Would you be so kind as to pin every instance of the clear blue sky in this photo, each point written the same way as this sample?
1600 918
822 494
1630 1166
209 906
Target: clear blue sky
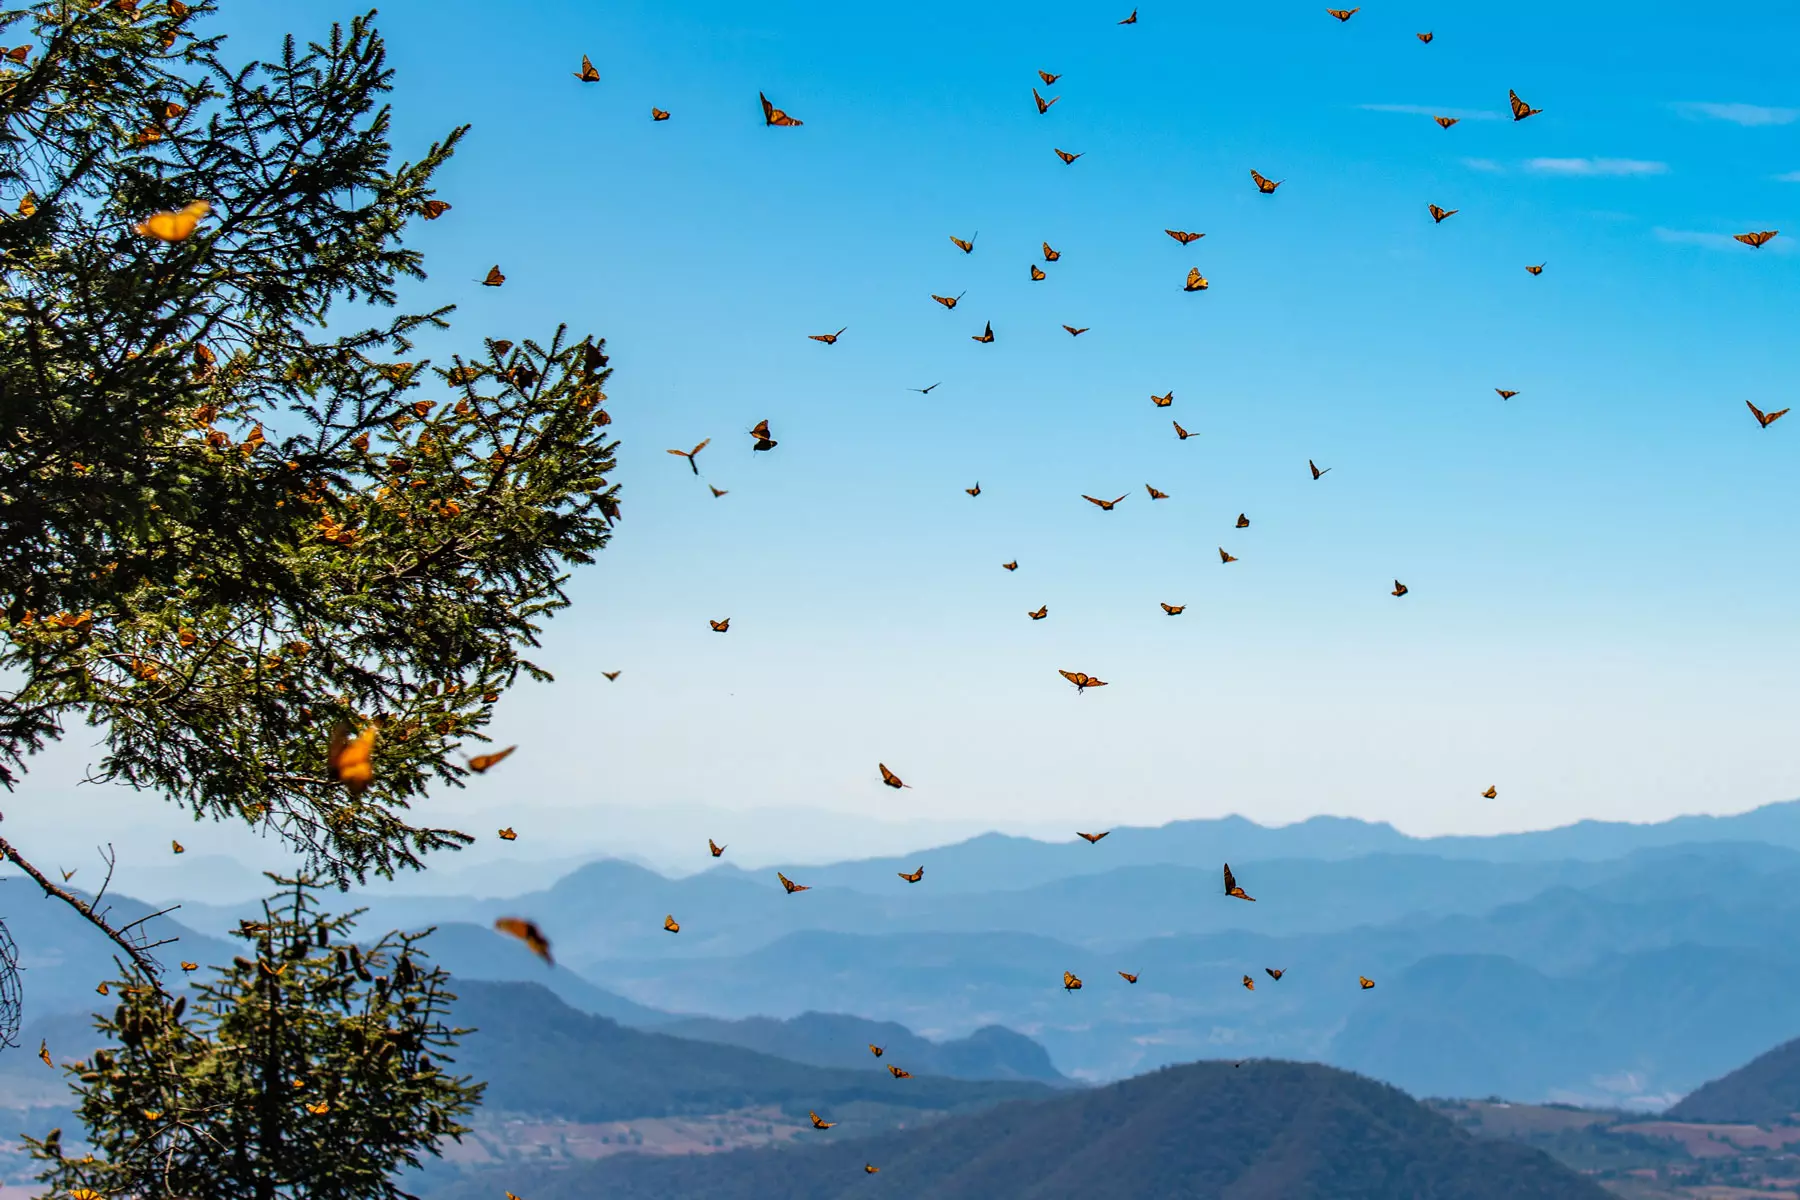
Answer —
1602 570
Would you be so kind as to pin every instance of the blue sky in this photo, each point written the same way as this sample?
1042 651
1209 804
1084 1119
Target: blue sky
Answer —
1601 569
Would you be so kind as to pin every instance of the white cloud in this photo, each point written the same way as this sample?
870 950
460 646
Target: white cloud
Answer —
1420 110
1790 177
1597 166
1719 241
1738 114
1484 164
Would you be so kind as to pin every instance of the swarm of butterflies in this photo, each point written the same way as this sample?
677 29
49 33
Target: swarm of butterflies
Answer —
350 754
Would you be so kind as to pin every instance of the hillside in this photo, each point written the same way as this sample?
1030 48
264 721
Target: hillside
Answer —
837 1040
1764 1091
1205 1131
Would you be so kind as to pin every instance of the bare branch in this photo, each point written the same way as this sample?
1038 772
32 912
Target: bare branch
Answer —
136 951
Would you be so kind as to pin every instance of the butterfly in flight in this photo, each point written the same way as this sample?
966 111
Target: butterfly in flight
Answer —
431 210
791 886
610 675
1537 270
1074 332
1091 838
1196 282
527 932
974 491
1249 984
1493 793
720 626
68 875
760 431
689 454
1232 888
1037 274
1504 394
968 246
1082 681
1011 566
1424 37
1765 419
1344 14
494 277
891 779
1446 122
587 74
44 1053
1105 505
1051 255
870 1169
1131 20
1043 104
1066 156
347 761
658 114
1184 237
717 491
1438 214
773 115
507 835
925 391
1181 433
818 1123
1040 614
948 301
1266 186
898 1073
986 335
179 225
1315 470
1366 982
1164 401
1174 610
190 966
1756 241
1400 589
877 1051
914 877
1226 558
1154 494
830 339
1520 109
481 762
1071 981
1243 522
1128 977
1048 78
718 851
1275 973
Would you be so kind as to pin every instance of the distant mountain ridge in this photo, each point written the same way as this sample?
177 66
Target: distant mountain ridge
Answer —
1764 1091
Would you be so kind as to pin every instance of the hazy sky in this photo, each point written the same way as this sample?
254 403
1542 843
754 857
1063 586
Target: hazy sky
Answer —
1602 570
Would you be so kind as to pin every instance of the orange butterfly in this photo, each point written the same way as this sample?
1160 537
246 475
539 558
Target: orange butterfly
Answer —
974 491
1521 110
1181 433
671 924
829 339
1074 332
507 835
1226 558
1196 282
1344 14
897 1073
611 675
689 454
889 778
870 1168
1249 984
527 932
319 1109
877 1051
1446 122
1040 614
1504 394
1438 214
177 847
967 246
1492 793
760 431
1537 270
347 761
1315 470
1082 681
1400 589
481 762
1424 37
1037 273
1366 982
1128 977
1243 522
68 875
948 301
1105 505
1091 838
1131 20
494 277
1765 419
1266 186
44 1053
103 989
773 115
1011 566
1071 981
1232 888
1066 156
717 491
720 626
19 54
1275 972
1154 494
433 209
791 886
1164 401
1051 255
658 114
986 335
179 225
1183 237
1174 610
1755 241
189 966
1043 104
819 1124
587 74
914 877
716 849
1048 78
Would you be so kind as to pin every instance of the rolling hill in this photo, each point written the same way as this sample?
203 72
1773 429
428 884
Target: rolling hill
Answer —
1764 1091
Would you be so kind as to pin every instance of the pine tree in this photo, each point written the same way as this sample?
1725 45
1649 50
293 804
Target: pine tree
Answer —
229 520
309 1069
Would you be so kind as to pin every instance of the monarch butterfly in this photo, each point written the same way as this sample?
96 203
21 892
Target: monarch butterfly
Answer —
1164 401
897 1073
527 932
889 778
1226 558
611 675
717 850
507 835
1040 614
791 886
820 1124
1446 122
319 1109
877 1051
1128 977
1243 522
347 760
1315 470
1275 972
1074 332
1400 589
720 626
1181 433
176 847
481 762
152 1114
19 54
830 339
948 301
967 246
1043 104
1154 494
1011 566
1344 14
190 966
1249 984
658 114
1196 282
1504 394
1071 981
986 335
760 431
1232 888
974 491
1091 838
717 491
1082 681
1037 274
1492 793
271 972
671 924
1755 240
44 1053
1174 610
1051 255
1048 78
870 1168
773 115
1266 186
1438 214
494 277
1765 419
1105 505
1131 20
1537 270
1520 109
1424 37
1183 237
1366 982
1066 156
179 225
587 74
914 877
103 989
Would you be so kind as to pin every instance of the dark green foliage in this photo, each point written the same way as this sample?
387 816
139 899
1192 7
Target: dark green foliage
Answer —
225 527
1765 1091
307 1070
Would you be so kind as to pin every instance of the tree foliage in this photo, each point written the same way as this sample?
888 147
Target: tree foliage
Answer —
307 1069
